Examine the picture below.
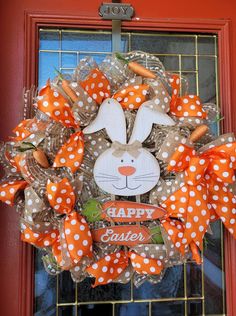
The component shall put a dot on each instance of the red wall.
(11, 84)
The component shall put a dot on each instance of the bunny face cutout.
(126, 169)
(126, 175)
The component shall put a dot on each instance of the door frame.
(36, 20)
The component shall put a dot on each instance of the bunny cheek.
(126, 175)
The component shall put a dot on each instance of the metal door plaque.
(116, 11)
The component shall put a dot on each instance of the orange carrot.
(198, 133)
(137, 68)
(41, 158)
(141, 70)
(67, 89)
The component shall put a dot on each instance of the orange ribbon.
(72, 240)
(175, 231)
(107, 269)
(98, 88)
(56, 106)
(132, 97)
(26, 127)
(187, 105)
(8, 190)
(206, 194)
(71, 153)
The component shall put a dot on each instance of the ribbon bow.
(132, 149)
(206, 193)
(187, 105)
(175, 230)
(72, 240)
(97, 86)
(107, 269)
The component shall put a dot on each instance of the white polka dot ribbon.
(56, 106)
(175, 230)
(110, 267)
(28, 127)
(72, 240)
(9, 190)
(132, 97)
(206, 194)
(187, 105)
(71, 153)
(98, 88)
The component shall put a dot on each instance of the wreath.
(117, 175)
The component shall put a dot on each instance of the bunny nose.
(126, 170)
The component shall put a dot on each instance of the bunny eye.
(132, 160)
(122, 160)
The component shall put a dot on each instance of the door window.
(187, 289)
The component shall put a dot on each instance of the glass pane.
(171, 44)
(188, 289)
(168, 308)
(206, 45)
(45, 289)
(86, 42)
(95, 310)
(66, 311)
(172, 285)
(132, 309)
(195, 308)
(110, 292)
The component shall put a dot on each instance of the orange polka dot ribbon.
(21, 130)
(61, 196)
(132, 97)
(26, 128)
(8, 190)
(97, 86)
(175, 230)
(206, 194)
(39, 239)
(72, 240)
(187, 105)
(13, 161)
(56, 106)
(110, 267)
(69, 243)
(71, 153)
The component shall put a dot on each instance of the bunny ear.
(111, 117)
(145, 118)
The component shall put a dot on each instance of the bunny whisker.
(108, 175)
(146, 177)
(108, 180)
(145, 174)
(144, 180)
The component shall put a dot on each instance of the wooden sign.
(126, 235)
(126, 211)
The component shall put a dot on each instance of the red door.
(20, 22)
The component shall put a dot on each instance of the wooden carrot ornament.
(41, 158)
(66, 87)
(38, 153)
(137, 68)
(198, 133)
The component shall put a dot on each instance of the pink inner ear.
(127, 170)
